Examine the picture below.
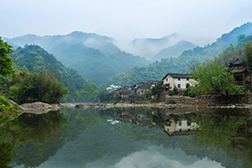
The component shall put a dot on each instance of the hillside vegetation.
(95, 57)
(33, 58)
(183, 64)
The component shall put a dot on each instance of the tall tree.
(5, 60)
(248, 56)
(212, 78)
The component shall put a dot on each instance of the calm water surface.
(128, 138)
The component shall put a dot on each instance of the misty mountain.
(95, 57)
(148, 47)
(182, 64)
(174, 50)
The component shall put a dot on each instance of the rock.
(39, 107)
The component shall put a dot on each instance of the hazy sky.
(199, 21)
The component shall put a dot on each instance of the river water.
(128, 138)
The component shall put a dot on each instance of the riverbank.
(149, 105)
(171, 103)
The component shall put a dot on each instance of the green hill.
(36, 59)
(95, 57)
(183, 64)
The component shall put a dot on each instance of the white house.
(181, 127)
(180, 81)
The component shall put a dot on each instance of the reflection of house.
(181, 127)
(180, 81)
(239, 70)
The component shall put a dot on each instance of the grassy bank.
(8, 110)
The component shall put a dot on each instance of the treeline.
(183, 64)
(32, 87)
(234, 51)
(36, 70)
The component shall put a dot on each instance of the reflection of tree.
(7, 145)
(36, 128)
(44, 134)
(226, 120)
(220, 129)
(217, 131)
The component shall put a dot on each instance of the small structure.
(122, 92)
(130, 93)
(240, 72)
(180, 81)
(141, 88)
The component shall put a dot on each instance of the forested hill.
(234, 51)
(95, 57)
(182, 64)
(35, 59)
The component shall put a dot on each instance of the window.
(180, 123)
(179, 79)
(178, 86)
(166, 79)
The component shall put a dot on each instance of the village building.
(141, 88)
(123, 93)
(180, 81)
(240, 72)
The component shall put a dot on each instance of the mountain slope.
(182, 64)
(95, 57)
(148, 47)
(174, 50)
(36, 59)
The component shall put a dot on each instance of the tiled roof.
(175, 75)
(236, 61)
(238, 70)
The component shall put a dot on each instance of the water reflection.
(141, 137)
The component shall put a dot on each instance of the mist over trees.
(183, 64)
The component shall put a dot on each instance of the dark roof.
(144, 86)
(175, 75)
(236, 61)
(238, 70)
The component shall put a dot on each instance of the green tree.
(248, 56)
(212, 78)
(5, 60)
(88, 93)
(148, 94)
(31, 87)
(157, 88)
(104, 95)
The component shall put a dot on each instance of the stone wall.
(210, 100)
(224, 100)
(181, 100)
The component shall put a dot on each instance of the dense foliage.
(5, 60)
(212, 78)
(33, 58)
(32, 87)
(184, 63)
(104, 95)
(248, 56)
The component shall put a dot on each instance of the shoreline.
(150, 105)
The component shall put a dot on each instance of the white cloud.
(124, 19)
(150, 158)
